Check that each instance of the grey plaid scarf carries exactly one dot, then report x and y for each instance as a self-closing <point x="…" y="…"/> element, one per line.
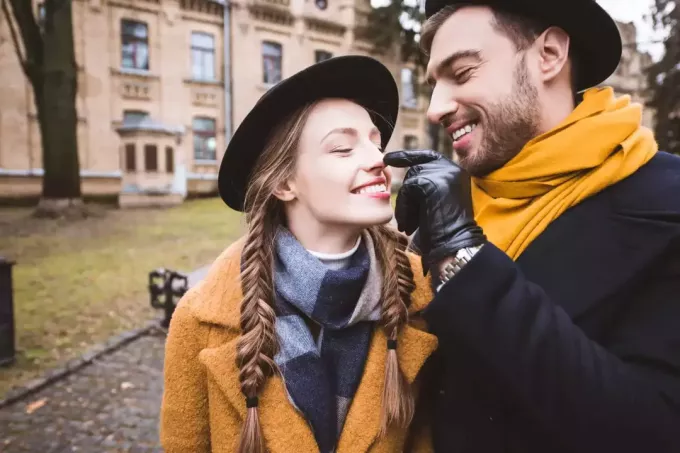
<point x="322" y="377"/>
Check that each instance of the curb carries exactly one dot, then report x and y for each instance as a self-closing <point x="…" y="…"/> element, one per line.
<point x="76" y="364"/>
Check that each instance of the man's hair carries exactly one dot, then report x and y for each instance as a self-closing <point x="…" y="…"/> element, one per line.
<point x="521" y="30"/>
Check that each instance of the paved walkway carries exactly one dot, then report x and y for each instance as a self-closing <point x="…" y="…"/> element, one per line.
<point x="111" y="405"/>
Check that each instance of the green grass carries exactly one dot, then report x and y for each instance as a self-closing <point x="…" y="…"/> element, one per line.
<point x="77" y="283"/>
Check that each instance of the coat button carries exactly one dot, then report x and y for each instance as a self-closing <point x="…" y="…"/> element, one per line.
<point x="490" y="418"/>
<point x="442" y="392"/>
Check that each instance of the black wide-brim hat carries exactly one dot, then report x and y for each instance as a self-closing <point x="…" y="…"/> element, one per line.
<point x="594" y="37"/>
<point x="361" y="79"/>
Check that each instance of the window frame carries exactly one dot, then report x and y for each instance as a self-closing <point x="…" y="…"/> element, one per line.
<point x="204" y="135"/>
<point x="275" y="59"/>
<point x="203" y="52"/>
<point x="130" y="157"/>
<point x="136" y="41"/>
<point x="319" y="52"/>
<point x="151" y="159"/>
<point x="408" y="87"/>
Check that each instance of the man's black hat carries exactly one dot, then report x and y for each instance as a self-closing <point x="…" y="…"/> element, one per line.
<point x="361" y="79"/>
<point x="595" y="39"/>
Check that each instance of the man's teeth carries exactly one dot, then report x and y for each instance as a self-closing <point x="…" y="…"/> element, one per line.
<point x="463" y="131"/>
<point x="372" y="189"/>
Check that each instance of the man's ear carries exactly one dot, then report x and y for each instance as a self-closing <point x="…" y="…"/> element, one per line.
<point x="553" y="52"/>
<point x="286" y="191"/>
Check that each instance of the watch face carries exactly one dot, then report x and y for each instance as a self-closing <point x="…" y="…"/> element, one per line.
<point x="321" y="4"/>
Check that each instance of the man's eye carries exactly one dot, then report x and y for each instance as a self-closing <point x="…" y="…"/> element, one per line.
<point x="464" y="75"/>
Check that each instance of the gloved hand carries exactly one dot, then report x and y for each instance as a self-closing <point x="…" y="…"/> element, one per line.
<point x="435" y="199"/>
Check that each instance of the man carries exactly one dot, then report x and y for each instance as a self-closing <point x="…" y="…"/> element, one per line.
<point x="557" y="263"/>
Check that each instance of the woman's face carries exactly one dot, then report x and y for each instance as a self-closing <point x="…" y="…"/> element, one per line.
<point x="340" y="179"/>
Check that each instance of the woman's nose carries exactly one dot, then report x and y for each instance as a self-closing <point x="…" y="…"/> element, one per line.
<point x="374" y="160"/>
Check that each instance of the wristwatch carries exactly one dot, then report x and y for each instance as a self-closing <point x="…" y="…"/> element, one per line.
<point x="460" y="259"/>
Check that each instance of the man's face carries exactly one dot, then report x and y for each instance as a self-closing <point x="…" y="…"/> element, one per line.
<point x="483" y="92"/>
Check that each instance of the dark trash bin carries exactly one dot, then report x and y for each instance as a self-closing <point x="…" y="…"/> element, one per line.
<point x="7" y="347"/>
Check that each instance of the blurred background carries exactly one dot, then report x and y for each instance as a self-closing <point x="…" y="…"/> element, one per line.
<point x="114" y="115"/>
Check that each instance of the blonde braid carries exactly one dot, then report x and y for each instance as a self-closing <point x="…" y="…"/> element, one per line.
<point x="397" y="404"/>
<point x="257" y="344"/>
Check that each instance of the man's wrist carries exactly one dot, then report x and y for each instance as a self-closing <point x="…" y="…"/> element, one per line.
<point x="450" y="266"/>
<point x="444" y="263"/>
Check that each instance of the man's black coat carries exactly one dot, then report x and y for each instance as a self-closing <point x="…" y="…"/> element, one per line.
<point x="575" y="347"/>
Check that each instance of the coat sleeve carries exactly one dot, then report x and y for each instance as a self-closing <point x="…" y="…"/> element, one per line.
<point x="184" y="424"/>
<point x="619" y="396"/>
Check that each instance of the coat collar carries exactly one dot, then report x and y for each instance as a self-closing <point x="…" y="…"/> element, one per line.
<point x="219" y="293"/>
<point x="219" y="296"/>
<point x="623" y="229"/>
<point x="363" y="419"/>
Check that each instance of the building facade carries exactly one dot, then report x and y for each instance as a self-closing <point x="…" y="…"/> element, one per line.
<point x="161" y="89"/>
<point x="630" y="77"/>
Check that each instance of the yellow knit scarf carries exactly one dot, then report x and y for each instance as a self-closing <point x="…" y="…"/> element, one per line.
<point x="599" y="144"/>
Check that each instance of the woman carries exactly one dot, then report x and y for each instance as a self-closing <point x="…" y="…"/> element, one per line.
<point x="301" y="336"/>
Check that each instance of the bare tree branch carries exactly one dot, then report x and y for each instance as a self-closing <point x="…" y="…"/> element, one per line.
<point x="15" y="38"/>
<point x="22" y="11"/>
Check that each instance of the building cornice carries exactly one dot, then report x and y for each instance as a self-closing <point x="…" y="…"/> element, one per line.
<point x="41" y="172"/>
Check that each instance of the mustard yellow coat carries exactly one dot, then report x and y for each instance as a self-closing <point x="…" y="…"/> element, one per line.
<point x="203" y="407"/>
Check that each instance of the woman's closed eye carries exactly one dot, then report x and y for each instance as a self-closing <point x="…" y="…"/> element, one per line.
<point x="341" y="150"/>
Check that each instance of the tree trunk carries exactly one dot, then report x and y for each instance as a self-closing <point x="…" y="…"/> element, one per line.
<point x="664" y="78"/>
<point x="55" y="99"/>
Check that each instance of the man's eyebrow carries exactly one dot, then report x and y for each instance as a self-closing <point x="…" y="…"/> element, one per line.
<point x="475" y="54"/>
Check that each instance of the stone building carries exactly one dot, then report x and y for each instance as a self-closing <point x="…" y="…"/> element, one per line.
<point x="161" y="89"/>
<point x="629" y="77"/>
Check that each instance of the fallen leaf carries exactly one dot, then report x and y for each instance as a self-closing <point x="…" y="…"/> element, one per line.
<point x="35" y="405"/>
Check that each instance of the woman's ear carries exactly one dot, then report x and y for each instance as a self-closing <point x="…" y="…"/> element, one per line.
<point x="286" y="191"/>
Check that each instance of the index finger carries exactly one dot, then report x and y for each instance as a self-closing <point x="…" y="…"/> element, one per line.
<point x="403" y="159"/>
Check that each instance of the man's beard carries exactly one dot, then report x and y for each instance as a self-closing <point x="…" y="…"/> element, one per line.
<point x="508" y="125"/>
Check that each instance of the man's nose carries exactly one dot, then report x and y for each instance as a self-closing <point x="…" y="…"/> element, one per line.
<point x="442" y="103"/>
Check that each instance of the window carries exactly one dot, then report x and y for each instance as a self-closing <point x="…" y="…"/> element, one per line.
<point x="150" y="158"/>
<point x="169" y="160"/>
<point x="202" y="56"/>
<point x="410" y="142"/>
<point x="41" y="15"/>
<point x="204" y="139"/>
<point x="408" y="94"/>
<point x="272" y="54"/>
<point x="134" y="117"/>
<point x="321" y="55"/>
<point x="130" y="157"/>
<point x="135" y="45"/>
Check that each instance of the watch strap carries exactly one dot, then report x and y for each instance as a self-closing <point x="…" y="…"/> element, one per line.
<point x="460" y="259"/>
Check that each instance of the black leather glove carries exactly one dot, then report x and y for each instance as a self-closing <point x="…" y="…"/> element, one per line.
<point x="435" y="199"/>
